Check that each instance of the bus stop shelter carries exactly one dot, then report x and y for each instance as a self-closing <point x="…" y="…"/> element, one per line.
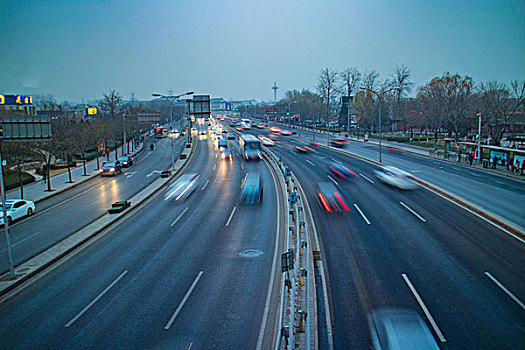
<point x="512" y="158"/>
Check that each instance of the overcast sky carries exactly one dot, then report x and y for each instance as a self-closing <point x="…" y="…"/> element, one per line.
<point x="236" y="49"/>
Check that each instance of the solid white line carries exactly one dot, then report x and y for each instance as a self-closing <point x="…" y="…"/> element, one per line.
<point x="310" y="162"/>
<point x="366" y="178"/>
<point x="178" y="217"/>
<point x="413" y="212"/>
<point x="363" y="215"/>
<point x="519" y="302"/>
<point x="96" y="299"/>
<point x="214" y="166"/>
<point x="425" y="310"/>
<point x="335" y="182"/>
<point x="206" y="184"/>
<point x="231" y="215"/>
<point x="272" y="275"/>
<point x="476" y="175"/>
<point x="242" y="166"/>
<point x="177" y="311"/>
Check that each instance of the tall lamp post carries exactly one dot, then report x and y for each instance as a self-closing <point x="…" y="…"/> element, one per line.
<point x="380" y="98"/>
<point x="171" y="99"/>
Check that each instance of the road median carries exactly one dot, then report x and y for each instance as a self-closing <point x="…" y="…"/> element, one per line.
<point x="50" y="256"/>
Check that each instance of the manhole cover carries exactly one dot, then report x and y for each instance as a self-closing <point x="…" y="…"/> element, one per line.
<point x="251" y="253"/>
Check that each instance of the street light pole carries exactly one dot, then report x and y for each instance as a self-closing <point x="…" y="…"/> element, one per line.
<point x="380" y="98"/>
<point x="171" y="99"/>
<point x="479" y="137"/>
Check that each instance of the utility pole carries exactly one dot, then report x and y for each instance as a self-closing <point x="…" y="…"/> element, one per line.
<point x="479" y="137"/>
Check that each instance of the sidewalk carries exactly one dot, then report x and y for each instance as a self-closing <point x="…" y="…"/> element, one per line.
<point x="37" y="191"/>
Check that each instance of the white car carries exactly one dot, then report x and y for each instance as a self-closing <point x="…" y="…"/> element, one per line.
<point x="266" y="141"/>
<point x="395" y="177"/>
<point x="17" y="209"/>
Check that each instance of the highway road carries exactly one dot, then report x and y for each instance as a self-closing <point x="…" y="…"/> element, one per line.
<point x="500" y="195"/>
<point x="66" y="213"/>
<point x="173" y="275"/>
<point x="412" y="249"/>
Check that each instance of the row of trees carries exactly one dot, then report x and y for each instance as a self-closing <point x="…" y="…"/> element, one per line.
<point x="74" y="137"/>
<point x="448" y="103"/>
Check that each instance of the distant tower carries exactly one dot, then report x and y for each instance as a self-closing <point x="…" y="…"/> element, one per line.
<point x="275" y="87"/>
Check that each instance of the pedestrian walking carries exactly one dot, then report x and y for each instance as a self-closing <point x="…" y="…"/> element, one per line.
<point x="494" y="162"/>
<point x="44" y="174"/>
<point x="459" y="156"/>
<point x="470" y="158"/>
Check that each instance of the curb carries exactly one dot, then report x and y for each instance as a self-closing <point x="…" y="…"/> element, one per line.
<point x="453" y="197"/>
<point x="8" y="285"/>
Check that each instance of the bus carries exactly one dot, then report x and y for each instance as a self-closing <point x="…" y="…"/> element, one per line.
<point x="250" y="147"/>
<point x="246" y="124"/>
<point x="161" y="132"/>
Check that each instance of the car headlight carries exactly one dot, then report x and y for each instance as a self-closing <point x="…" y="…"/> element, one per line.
<point x="112" y="169"/>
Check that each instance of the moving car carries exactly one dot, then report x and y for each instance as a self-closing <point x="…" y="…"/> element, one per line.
<point x="126" y="161"/>
<point x="399" y="328"/>
<point x="230" y="136"/>
<point x="286" y="132"/>
<point x="183" y="187"/>
<point x="110" y="168"/>
<point x="395" y="177"/>
<point x="251" y="189"/>
<point x="329" y="198"/>
<point x="340" y="170"/>
<point x="266" y="141"/>
<point x="340" y="142"/>
<point x="17" y="209"/>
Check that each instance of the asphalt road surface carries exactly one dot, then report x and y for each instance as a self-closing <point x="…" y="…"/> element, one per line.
<point x="58" y="217"/>
<point x="412" y="249"/>
<point x="173" y="275"/>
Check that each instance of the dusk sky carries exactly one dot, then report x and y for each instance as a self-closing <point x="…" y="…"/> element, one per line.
<point x="236" y="49"/>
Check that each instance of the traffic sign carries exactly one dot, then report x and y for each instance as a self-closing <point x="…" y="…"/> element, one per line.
<point x="272" y="110"/>
<point x="228" y="106"/>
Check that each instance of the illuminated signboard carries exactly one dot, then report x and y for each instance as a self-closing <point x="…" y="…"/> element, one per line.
<point x="21" y="100"/>
<point x="91" y="110"/>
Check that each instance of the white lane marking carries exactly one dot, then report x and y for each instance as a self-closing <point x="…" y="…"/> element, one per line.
<point x="476" y="175"/>
<point x="242" y="166"/>
<point x="335" y="182"/>
<point x="178" y="217"/>
<point x="129" y="174"/>
<point x="96" y="299"/>
<point x="366" y="178"/>
<point x="214" y="166"/>
<point x="498" y="283"/>
<point x="153" y="172"/>
<point x="413" y="212"/>
<point x="499" y="182"/>
<point x="215" y="155"/>
<point x="425" y="310"/>
<point x="363" y="215"/>
<point x="238" y="156"/>
<point x="206" y="184"/>
<point x="272" y="275"/>
<point x="310" y="162"/>
<point x="231" y="215"/>
<point x="184" y="300"/>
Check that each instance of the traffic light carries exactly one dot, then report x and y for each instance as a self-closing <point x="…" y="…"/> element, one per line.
<point x="287" y="113"/>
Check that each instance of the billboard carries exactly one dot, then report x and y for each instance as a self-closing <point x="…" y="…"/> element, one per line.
<point x="20" y="100"/>
<point x="201" y="104"/>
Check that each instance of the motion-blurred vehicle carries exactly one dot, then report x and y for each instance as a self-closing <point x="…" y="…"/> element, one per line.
<point x="340" y="170"/>
<point x="16" y="209"/>
<point x="340" y="142"/>
<point x="110" y="168"/>
<point x="250" y="147"/>
<point x="301" y="149"/>
<point x="202" y="132"/>
<point x="183" y="187"/>
<point x="329" y="198"/>
<point x="266" y="141"/>
<point x="395" y="177"/>
<point x="225" y="153"/>
<point x="251" y="189"/>
<point x="399" y="328"/>
<point x="275" y="130"/>
<point x="126" y="161"/>
<point x="230" y="136"/>
<point x="286" y="132"/>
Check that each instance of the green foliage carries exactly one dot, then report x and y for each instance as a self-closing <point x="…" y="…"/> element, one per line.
<point x="12" y="181"/>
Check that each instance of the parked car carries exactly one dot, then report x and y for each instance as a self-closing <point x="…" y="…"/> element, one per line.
<point x="17" y="209"/>
<point x="110" y="168"/>
<point x="126" y="161"/>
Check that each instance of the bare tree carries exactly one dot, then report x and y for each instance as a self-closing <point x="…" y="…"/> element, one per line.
<point x="16" y="155"/>
<point x="351" y="78"/>
<point x="371" y="80"/>
<point x="327" y="87"/>
<point x="111" y="104"/>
